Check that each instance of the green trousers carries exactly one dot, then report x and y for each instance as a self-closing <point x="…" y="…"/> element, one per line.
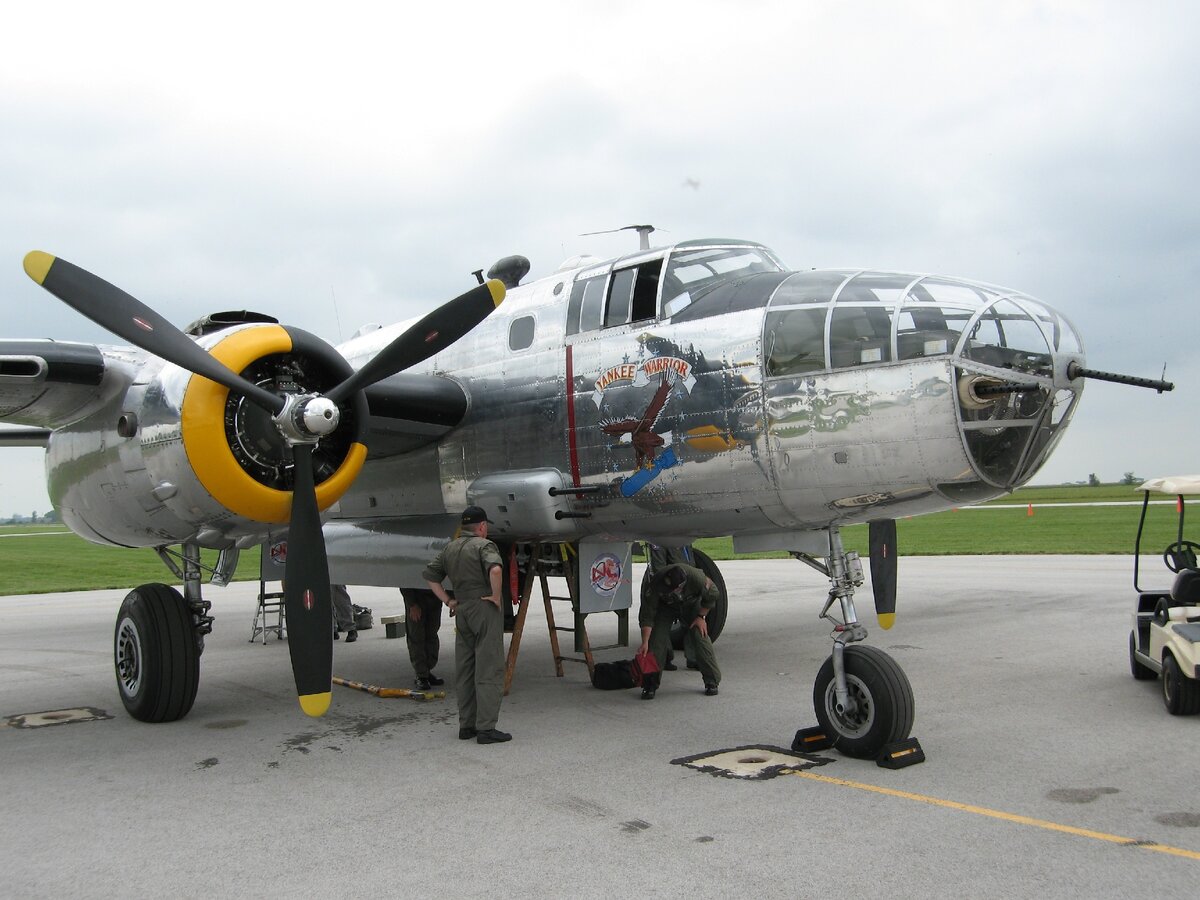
<point x="422" y="636"/>
<point x="697" y="646"/>
<point x="479" y="663"/>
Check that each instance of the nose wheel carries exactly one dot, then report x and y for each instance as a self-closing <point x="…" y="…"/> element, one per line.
<point x="881" y="706"/>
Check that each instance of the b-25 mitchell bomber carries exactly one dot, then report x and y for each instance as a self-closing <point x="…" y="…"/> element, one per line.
<point x="693" y="390"/>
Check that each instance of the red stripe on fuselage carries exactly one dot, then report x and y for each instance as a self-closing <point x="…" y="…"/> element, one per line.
<point x="571" y="418"/>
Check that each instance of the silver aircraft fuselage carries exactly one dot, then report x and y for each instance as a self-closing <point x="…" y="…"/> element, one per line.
<point x="688" y="391"/>
<point x="702" y="390"/>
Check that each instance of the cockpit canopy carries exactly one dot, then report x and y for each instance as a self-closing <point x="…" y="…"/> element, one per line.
<point x="629" y="289"/>
<point x="836" y="319"/>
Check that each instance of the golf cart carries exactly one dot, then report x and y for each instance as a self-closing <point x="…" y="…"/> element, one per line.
<point x="1165" y="639"/>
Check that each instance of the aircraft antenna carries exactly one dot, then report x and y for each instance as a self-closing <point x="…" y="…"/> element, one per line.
<point x="336" y="317"/>
<point x="644" y="232"/>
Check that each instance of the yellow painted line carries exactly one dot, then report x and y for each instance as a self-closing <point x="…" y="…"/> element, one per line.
<point x="1007" y="817"/>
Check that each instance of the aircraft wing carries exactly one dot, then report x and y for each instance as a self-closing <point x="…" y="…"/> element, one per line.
<point x="51" y="383"/>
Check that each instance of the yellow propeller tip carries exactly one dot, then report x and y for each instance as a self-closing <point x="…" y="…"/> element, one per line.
<point x="315" y="704"/>
<point x="37" y="265"/>
<point x="496" y="287"/>
<point x="886" y="620"/>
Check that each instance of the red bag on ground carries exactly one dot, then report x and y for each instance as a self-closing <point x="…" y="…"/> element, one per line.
<point x="645" y="669"/>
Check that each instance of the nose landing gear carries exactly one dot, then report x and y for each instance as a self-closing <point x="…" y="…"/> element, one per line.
<point x="862" y="698"/>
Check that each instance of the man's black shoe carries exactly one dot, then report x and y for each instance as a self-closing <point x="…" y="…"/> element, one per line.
<point x="647" y="694"/>
<point x="670" y="667"/>
<point x="336" y="634"/>
<point x="433" y="679"/>
<point x="422" y="684"/>
<point x="710" y="690"/>
<point x="465" y="734"/>
<point x="351" y="637"/>
<point x="492" y="737"/>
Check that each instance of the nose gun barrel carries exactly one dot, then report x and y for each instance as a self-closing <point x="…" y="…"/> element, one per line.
<point x="1074" y="370"/>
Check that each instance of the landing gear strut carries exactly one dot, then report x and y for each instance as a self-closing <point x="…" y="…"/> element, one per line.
<point x="861" y="697"/>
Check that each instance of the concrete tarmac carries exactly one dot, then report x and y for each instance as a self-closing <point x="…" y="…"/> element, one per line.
<point x="1049" y="772"/>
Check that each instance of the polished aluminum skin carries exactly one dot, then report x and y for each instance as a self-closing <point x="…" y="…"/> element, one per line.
<point x="694" y="390"/>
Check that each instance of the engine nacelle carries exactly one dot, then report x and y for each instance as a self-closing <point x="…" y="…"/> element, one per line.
<point x="175" y="457"/>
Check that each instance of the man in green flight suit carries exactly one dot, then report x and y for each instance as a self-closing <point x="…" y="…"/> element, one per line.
<point x="475" y="569"/>
<point x="685" y="593"/>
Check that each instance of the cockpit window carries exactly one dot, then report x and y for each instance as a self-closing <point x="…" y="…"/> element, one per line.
<point x="586" y="306"/>
<point x="1006" y="336"/>
<point x="796" y="341"/>
<point x="693" y="273"/>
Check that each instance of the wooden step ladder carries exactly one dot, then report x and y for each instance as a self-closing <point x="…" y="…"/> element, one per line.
<point x="543" y="564"/>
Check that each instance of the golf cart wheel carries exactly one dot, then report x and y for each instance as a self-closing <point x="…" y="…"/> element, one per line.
<point x="1139" y="671"/>
<point x="1181" y="695"/>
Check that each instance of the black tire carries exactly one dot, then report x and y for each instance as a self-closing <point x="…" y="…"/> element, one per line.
<point x="715" y="619"/>
<point x="1181" y="695"/>
<point x="156" y="655"/>
<point x="1139" y="671"/>
<point x="885" y="702"/>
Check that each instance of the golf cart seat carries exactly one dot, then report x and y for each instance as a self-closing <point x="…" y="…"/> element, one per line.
<point x="1186" y="589"/>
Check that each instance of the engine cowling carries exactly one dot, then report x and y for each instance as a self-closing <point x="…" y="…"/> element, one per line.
<point x="177" y="457"/>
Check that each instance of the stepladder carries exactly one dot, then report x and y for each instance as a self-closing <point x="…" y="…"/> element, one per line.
<point x="269" y="616"/>
<point x="547" y="560"/>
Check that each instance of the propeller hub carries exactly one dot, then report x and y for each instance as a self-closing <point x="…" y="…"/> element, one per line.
<point x="319" y="416"/>
<point x="306" y="418"/>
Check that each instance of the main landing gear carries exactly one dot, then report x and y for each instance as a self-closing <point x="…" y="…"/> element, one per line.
<point x="159" y="637"/>
<point x="861" y="697"/>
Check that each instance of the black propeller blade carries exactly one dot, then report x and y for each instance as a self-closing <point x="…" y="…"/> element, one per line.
<point x="127" y="317"/>
<point x="432" y="334"/>
<point x="883" y="570"/>
<point x="307" y="600"/>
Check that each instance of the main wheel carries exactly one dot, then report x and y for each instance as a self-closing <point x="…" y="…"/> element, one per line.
<point x="883" y="699"/>
<point x="156" y="655"/>
<point x="1140" y="672"/>
<point x="1181" y="695"/>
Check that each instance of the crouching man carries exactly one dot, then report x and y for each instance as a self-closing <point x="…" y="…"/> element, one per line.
<point x="684" y="593"/>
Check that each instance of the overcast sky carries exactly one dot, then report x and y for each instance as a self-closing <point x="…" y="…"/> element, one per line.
<point x="340" y="164"/>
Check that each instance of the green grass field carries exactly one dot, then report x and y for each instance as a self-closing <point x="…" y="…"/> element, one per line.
<point x="54" y="560"/>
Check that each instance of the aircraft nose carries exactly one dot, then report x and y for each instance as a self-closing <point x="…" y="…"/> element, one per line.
<point x="1015" y="397"/>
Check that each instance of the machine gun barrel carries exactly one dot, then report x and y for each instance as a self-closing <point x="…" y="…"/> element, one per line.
<point x="1006" y="387"/>
<point x="1074" y="370"/>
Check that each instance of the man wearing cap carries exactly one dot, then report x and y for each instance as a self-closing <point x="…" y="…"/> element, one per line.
<point x="685" y="593"/>
<point x="473" y="565"/>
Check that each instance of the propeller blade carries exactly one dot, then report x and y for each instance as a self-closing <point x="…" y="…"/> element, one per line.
<point x="434" y="333"/>
<point x="883" y="570"/>
<point x="127" y="317"/>
<point x="306" y="598"/>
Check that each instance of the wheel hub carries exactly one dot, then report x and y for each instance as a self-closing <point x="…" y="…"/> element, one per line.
<point x="129" y="661"/>
<point x="860" y="716"/>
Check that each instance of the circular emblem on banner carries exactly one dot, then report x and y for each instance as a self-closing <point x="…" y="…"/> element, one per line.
<point x="279" y="553"/>
<point x="606" y="574"/>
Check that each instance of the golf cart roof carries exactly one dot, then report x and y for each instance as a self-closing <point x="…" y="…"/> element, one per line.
<point x="1173" y="484"/>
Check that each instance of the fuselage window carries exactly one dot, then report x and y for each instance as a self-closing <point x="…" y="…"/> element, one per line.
<point x="795" y="341"/>
<point x="928" y="331"/>
<point x="520" y="333"/>
<point x="633" y="294"/>
<point x="586" y="304"/>
<point x="859" y="336"/>
<point x="620" y="296"/>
